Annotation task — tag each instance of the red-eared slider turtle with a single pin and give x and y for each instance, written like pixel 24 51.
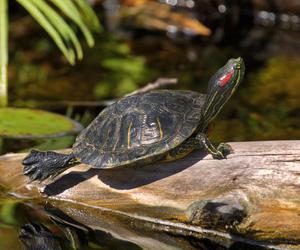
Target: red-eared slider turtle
pixel 143 128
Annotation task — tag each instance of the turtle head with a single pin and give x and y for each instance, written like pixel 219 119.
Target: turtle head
pixel 221 86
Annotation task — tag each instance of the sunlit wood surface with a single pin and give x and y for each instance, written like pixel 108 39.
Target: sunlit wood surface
pixel 254 195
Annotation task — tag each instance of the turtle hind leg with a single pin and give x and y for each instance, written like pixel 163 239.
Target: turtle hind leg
pixel 40 165
pixel 182 150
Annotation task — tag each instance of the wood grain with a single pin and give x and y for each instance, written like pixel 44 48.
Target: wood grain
pixel 254 195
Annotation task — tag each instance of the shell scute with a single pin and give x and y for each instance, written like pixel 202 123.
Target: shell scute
pixel 139 128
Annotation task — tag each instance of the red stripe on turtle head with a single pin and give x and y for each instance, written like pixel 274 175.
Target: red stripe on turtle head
pixel 225 79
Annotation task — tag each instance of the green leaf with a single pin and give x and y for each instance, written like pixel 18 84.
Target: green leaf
pixel 71 11
pixel 89 14
pixel 34 123
pixel 44 22
pixel 59 23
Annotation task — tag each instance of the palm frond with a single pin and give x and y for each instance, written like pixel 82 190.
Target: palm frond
pixel 60 25
pixel 89 15
pixel 71 11
pixel 36 13
pixel 78 11
pixel 48 15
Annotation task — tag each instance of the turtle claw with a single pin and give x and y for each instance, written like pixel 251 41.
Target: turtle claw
pixel 32 158
pixel 225 149
pixel 218 155
pixel 36 175
pixel 35 166
pixel 27 170
pixel 41 165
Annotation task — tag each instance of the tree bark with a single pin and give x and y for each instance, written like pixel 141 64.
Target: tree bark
pixel 251 197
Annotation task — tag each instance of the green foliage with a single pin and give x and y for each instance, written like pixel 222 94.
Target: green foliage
pixel 27 72
pixel 110 70
pixel 275 99
pixel 60 31
pixel 125 73
pixel 122 72
pixel 18 123
pixel 51 16
pixel 278 83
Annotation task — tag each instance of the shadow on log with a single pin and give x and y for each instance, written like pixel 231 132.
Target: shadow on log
pixel 253 197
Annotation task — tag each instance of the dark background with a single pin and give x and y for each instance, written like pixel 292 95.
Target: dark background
pixel 143 40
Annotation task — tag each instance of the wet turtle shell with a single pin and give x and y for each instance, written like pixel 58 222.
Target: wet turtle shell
pixel 139 128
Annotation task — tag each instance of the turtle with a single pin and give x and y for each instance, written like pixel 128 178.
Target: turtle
pixel 159 125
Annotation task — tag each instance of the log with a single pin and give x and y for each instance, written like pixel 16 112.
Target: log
pixel 251 197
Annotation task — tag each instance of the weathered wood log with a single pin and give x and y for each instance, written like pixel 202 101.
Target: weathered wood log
pixel 252 197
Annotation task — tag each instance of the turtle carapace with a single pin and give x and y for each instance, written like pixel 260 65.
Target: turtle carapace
pixel 144 128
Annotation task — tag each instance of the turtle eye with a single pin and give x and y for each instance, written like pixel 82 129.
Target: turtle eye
pixel 225 79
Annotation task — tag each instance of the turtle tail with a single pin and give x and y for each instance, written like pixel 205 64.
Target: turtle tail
pixel 40 165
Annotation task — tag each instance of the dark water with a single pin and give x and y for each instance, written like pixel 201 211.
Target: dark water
pixel 266 106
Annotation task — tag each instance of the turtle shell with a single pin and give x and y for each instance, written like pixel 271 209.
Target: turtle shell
pixel 139 128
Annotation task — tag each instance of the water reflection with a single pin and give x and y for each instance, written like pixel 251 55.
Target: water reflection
pixel 38 228
pixel 41 227
pixel 80 236
pixel 36 236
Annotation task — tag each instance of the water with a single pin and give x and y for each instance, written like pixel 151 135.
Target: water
pixel 32 226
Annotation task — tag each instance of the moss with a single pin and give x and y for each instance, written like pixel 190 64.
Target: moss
pixel 274 100
pixel 32 122
pixel 278 84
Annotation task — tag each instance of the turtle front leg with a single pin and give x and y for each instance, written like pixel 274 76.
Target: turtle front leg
pixel 40 165
pixel 220 152
pixel 200 141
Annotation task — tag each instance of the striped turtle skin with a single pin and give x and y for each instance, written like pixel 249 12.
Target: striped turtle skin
pixel 140 128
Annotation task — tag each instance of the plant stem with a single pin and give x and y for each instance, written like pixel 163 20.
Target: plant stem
pixel 3 51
